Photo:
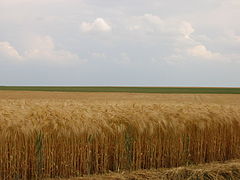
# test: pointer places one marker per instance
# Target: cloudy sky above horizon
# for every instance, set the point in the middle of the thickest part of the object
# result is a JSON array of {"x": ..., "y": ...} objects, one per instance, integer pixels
[{"x": 135, "y": 43}]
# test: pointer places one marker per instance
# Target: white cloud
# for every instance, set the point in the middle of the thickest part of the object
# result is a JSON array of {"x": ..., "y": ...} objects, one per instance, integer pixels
[
  {"x": 202, "y": 52},
  {"x": 98, "y": 25},
  {"x": 186, "y": 29},
  {"x": 146, "y": 23},
  {"x": 43, "y": 48},
  {"x": 40, "y": 48},
  {"x": 233, "y": 36},
  {"x": 9, "y": 52},
  {"x": 174, "y": 59},
  {"x": 153, "y": 19},
  {"x": 198, "y": 53},
  {"x": 178, "y": 35},
  {"x": 156, "y": 25}
]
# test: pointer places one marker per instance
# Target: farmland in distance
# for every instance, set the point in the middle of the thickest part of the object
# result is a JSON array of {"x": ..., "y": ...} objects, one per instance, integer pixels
[{"x": 166, "y": 90}]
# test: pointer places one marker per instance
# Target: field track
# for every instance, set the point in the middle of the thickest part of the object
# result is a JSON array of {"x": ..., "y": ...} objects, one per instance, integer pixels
[
  {"x": 213, "y": 171},
  {"x": 167, "y": 90}
]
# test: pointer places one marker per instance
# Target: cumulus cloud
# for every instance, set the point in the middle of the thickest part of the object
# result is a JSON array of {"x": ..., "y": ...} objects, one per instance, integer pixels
[
  {"x": 233, "y": 36},
  {"x": 98, "y": 25},
  {"x": 186, "y": 43},
  {"x": 202, "y": 52},
  {"x": 41, "y": 48},
  {"x": 198, "y": 53},
  {"x": 145, "y": 23},
  {"x": 7, "y": 51},
  {"x": 157, "y": 25},
  {"x": 186, "y": 29},
  {"x": 152, "y": 19}
]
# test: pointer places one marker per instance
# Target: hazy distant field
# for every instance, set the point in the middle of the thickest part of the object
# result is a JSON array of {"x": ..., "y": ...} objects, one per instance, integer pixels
[
  {"x": 114, "y": 97},
  {"x": 168, "y": 90},
  {"x": 66, "y": 134}
]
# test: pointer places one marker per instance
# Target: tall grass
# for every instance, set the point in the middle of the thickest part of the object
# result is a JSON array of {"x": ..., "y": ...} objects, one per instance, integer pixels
[{"x": 62, "y": 139}]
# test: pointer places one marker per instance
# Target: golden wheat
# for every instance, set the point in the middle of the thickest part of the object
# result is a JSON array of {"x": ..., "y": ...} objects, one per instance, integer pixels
[{"x": 50, "y": 138}]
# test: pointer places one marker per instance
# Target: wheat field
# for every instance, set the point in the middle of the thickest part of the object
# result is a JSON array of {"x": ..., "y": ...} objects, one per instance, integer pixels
[{"x": 48, "y": 135}]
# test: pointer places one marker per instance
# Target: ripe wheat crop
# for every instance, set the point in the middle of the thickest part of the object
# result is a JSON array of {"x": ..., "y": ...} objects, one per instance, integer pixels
[{"x": 49, "y": 138}]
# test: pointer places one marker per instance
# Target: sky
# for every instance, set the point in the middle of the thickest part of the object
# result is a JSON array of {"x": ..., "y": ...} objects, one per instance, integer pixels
[{"x": 120, "y": 43}]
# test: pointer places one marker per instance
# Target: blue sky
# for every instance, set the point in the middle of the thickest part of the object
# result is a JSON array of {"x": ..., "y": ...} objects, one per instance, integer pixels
[{"x": 135, "y": 43}]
